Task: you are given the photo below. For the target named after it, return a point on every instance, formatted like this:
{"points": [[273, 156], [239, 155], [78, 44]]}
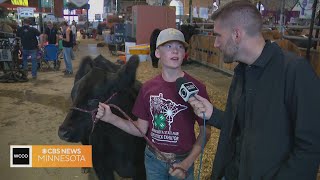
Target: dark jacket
{"points": [[52, 35], [68, 43], [281, 136], [28, 37]]}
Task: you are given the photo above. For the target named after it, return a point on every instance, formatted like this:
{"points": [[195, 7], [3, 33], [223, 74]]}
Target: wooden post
{"points": [[190, 11], [40, 16], [58, 8], [282, 23]]}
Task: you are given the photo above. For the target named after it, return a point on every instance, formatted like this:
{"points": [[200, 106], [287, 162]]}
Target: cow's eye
{"points": [[93, 102]]}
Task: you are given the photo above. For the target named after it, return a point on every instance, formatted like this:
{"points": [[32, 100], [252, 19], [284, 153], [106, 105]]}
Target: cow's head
{"points": [[95, 82], [153, 46]]}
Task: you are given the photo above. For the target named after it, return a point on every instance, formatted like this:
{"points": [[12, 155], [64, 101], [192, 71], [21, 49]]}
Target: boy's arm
{"points": [[194, 154], [104, 113]]}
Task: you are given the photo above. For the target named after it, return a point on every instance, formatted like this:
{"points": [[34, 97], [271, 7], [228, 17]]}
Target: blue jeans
{"points": [[159, 170], [33, 54], [67, 58]]}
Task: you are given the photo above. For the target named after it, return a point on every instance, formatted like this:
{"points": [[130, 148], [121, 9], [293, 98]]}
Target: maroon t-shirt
{"points": [[171, 119]]}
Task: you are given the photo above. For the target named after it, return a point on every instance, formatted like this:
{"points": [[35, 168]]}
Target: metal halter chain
{"points": [[95, 120]]}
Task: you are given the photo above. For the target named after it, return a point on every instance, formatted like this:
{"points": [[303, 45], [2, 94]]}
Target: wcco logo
{"points": [[20, 156]]}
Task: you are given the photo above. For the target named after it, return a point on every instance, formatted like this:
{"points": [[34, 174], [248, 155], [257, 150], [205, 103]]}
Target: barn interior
{"points": [[31, 111]]}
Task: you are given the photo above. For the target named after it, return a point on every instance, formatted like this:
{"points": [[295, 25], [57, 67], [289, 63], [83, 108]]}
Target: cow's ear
{"points": [[85, 66], [106, 64], [127, 73]]}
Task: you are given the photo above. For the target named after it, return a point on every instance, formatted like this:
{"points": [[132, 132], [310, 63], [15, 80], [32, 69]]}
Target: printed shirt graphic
{"points": [[163, 112], [171, 120]]}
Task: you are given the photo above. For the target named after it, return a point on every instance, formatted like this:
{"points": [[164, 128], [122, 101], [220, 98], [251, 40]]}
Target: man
{"points": [[52, 34], [270, 128], [67, 47], [29, 43], [74, 33], [166, 119], [99, 31]]}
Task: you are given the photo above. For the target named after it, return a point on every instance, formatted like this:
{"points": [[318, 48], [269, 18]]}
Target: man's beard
{"points": [[229, 54]]}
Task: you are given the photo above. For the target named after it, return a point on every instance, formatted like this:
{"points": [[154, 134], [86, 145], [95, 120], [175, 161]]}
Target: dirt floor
{"points": [[31, 112]]}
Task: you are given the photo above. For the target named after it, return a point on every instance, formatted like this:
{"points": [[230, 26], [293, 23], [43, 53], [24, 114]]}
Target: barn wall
{"points": [[202, 50]]}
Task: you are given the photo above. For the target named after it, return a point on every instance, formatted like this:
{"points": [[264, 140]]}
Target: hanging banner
{"points": [[79, 3], [25, 11], [20, 2], [305, 8]]}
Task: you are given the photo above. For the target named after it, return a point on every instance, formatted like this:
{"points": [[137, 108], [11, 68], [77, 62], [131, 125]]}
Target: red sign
{"points": [[78, 11]]}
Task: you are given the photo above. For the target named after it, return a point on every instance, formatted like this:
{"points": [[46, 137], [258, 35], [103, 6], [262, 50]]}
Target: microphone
{"points": [[186, 89]]}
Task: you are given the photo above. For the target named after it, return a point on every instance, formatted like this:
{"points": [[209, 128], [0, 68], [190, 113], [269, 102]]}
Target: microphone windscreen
{"points": [[179, 82]]}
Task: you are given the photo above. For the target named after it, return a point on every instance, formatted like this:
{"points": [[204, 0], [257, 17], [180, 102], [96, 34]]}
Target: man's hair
{"points": [[240, 13]]}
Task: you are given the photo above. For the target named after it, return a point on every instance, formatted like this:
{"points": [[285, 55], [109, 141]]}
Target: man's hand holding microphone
{"points": [[201, 105], [188, 91]]}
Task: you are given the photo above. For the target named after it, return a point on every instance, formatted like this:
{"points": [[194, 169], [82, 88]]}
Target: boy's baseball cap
{"points": [[171, 34]]}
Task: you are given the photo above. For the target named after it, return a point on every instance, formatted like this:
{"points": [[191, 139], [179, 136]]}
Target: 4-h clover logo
{"points": [[160, 121]]}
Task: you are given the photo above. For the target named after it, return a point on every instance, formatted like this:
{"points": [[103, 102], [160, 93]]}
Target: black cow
{"points": [[188, 31], [112, 149], [153, 45]]}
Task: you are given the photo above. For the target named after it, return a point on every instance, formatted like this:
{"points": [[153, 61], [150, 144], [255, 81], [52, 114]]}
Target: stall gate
{"points": [[202, 50]]}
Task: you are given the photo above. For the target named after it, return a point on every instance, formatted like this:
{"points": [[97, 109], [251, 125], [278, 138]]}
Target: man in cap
{"points": [[29, 43]]}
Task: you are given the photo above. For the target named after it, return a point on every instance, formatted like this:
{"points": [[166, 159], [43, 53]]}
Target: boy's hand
{"points": [[104, 113]]}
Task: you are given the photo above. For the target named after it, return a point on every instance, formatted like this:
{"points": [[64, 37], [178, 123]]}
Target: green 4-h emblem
{"points": [[160, 121]]}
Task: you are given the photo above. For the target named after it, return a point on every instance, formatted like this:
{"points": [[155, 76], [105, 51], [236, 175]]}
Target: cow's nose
{"points": [[64, 134]]}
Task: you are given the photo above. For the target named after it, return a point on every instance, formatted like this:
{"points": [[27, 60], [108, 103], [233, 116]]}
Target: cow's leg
{"points": [[101, 156], [140, 170], [140, 173], [85, 141]]}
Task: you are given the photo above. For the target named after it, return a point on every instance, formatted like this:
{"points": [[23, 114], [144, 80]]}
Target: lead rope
{"points": [[95, 120], [150, 143], [93, 114]]}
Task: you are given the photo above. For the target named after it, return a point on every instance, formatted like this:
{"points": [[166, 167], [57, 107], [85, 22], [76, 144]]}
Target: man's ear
{"points": [[237, 34], [157, 53]]}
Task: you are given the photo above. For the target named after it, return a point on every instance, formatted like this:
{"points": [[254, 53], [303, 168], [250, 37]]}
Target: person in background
{"points": [[29, 43], [270, 127], [166, 119], [51, 34], [67, 47], [74, 39], [99, 31]]}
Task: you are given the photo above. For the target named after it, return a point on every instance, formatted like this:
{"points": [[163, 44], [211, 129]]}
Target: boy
{"points": [[163, 116]]}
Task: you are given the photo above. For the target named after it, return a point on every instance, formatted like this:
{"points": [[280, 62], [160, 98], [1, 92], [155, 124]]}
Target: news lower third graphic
{"points": [[50, 156]]}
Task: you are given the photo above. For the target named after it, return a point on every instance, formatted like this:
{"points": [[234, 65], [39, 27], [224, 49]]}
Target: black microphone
{"points": [[186, 89]]}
